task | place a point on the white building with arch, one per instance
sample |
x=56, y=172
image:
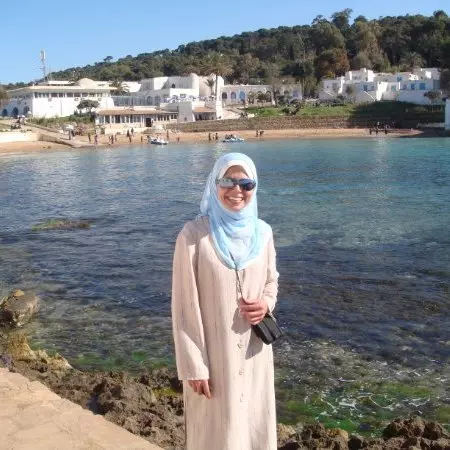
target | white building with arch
x=234, y=94
x=56, y=98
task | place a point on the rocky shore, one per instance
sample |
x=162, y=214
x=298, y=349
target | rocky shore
x=151, y=405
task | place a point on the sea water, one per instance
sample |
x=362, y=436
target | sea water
x=363, y=245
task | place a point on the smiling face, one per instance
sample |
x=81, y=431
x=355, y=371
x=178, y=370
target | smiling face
x=234, y=198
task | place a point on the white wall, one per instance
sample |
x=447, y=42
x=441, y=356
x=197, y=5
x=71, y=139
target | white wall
x=17, y=136
x=185, y=112
x=53, y=106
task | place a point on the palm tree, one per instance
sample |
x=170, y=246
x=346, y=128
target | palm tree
x=120, y=88
x=210, y=82
x=218, y=64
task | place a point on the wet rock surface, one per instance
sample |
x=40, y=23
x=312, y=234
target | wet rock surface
x=62, y=224
x=18, y=308
x=151, y=405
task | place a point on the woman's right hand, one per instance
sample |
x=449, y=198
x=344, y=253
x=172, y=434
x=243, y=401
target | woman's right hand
x=201, y=387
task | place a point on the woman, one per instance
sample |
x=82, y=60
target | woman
x=226, y=369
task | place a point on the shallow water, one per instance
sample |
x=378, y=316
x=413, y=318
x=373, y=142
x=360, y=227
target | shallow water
x=363, y=244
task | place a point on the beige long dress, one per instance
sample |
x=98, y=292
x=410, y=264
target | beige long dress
x=212, y=341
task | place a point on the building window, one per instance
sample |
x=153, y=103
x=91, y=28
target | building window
x=422, y=86
x=413, y=86
x=365, y=88
x=69, y=94
x=393, y=88
x=399, y=78
x=61, y=94
x=54, y=94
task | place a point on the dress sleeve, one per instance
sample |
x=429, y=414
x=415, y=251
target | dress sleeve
x=271, y=288
x=189, y=337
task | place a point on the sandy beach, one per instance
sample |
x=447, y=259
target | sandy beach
x=12, y=148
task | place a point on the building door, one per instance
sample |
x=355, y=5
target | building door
x=148, y=122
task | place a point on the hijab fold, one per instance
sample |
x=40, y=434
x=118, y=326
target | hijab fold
x=237, y=235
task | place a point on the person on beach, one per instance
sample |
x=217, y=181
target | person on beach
x=227, y=371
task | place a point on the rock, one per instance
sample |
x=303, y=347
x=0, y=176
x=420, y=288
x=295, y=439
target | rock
x=435, y=431
x=356, y=442
x=285, y=434
x=18, y=308
x=61, y=224
x=413, y=427
x=441, y=444
x=18, y=349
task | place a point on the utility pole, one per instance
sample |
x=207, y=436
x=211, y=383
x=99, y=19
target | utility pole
x=43, y=66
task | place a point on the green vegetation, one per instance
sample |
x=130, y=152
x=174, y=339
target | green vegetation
x=379, y=111
x=85, y=120
x=359, y=407
x=302, y=53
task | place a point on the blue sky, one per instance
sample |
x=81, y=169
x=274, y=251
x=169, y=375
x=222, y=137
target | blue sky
x=82, y=32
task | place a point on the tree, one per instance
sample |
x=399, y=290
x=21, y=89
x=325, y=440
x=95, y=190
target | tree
x=350, y=90
x=411, y=61
x=108, y=59
x=361, y=61
x=3, y=93
x=245, y=67
x=272, y=76
x=341, y=20
x=445, y=54
x=210, y=82
x=434, y=96
x=445, y=80
x=219, y=65
x=326, y=36
x=88, y=104
x=331, y=63
x=120, y=88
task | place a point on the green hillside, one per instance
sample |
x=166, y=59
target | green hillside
x=305, y=53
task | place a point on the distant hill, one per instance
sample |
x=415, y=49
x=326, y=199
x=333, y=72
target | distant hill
x=303, y=53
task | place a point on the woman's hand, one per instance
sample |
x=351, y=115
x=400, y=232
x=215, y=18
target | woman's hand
x=201, y=387
x=253, y=310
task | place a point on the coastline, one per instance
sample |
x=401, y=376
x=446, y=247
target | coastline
x=150, y=405
x=175, y=138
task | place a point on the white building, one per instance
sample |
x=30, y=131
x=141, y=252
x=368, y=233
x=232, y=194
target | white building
x=366, y=86
x=193, y=97
x=233, y=94
x=56, y=98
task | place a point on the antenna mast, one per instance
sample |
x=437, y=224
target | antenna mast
x=43, y=66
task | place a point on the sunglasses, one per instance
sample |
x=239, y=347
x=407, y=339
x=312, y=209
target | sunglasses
x=245, y=183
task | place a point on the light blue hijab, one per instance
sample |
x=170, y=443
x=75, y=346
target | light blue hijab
x=237, y=233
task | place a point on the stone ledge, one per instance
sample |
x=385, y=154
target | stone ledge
x=39, y=419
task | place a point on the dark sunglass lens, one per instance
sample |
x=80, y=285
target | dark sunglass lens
x=249, y=185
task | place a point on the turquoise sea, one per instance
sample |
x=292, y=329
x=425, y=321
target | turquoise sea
x=363, y=243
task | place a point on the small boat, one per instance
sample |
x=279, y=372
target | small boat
x=232, y=138
x=158, y=141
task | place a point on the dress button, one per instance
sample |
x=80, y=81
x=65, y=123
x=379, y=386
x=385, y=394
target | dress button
x=240, y=345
